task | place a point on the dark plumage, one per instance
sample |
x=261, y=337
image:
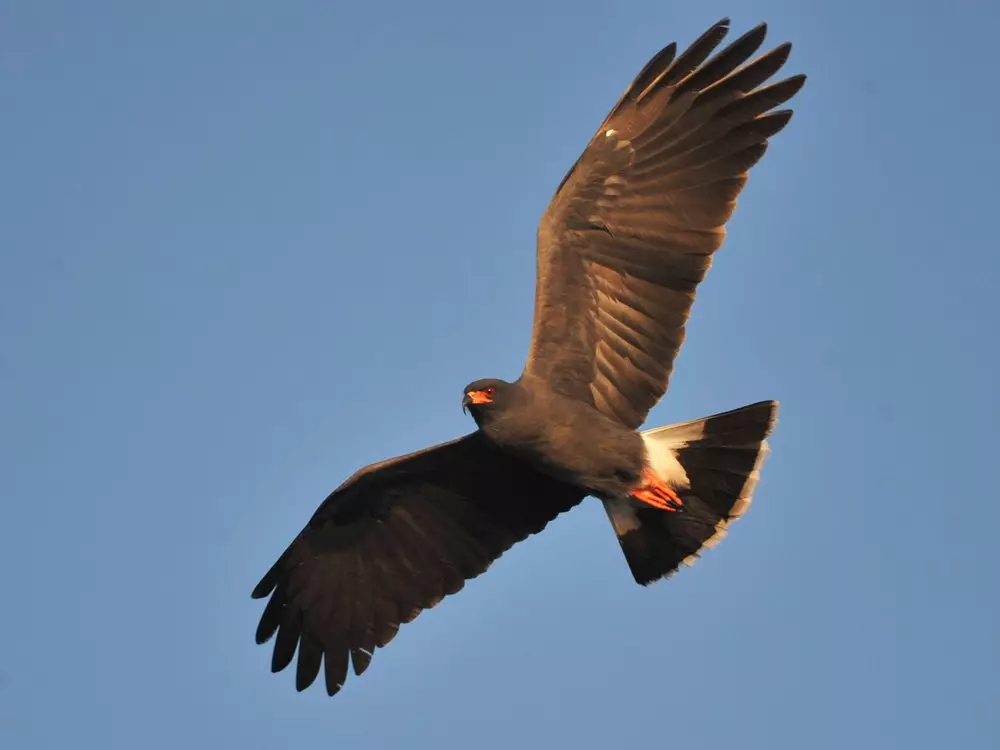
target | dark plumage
x=625, y=242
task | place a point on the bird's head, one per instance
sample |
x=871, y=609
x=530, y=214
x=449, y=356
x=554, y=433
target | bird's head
x=481, y=397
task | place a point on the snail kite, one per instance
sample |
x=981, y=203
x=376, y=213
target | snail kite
x=626, y=240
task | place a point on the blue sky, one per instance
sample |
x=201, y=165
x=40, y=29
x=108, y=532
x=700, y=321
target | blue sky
x=248, y=248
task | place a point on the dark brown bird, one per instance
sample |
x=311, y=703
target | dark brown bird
x=625, y=242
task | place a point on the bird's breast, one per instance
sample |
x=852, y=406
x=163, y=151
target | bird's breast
x=571, y=445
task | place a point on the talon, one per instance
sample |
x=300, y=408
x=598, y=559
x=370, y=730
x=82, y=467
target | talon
x=657, y=493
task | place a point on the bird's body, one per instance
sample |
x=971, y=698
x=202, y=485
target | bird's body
x=563, y=438
x=622, y=247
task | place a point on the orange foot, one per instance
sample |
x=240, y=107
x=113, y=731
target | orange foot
x=657, y=493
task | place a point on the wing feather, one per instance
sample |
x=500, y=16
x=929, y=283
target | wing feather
x=632, y=229
x=392, y=541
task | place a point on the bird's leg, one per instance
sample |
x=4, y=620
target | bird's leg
x=655, y=492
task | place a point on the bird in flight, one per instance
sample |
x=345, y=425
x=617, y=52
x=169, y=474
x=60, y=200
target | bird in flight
x=622, y=247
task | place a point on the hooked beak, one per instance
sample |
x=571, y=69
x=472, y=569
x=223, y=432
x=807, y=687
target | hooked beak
x=473, y=398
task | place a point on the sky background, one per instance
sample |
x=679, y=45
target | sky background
x=247, y=248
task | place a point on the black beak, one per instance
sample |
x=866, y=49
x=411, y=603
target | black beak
x=466, y=403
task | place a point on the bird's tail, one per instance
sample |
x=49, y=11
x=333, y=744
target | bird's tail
x=712, y=465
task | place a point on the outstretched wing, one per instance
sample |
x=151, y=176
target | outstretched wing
x=632, y=228
x=393, y=540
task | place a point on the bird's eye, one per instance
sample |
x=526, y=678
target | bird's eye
x=491, y=391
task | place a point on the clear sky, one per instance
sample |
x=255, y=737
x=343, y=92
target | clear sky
x=246, y=248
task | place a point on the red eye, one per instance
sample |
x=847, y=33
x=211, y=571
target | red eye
x=491, y=391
